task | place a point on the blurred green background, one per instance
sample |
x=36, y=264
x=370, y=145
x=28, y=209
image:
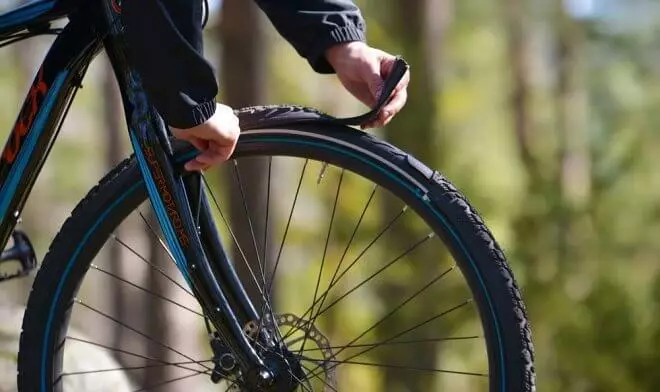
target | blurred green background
x=543, y=112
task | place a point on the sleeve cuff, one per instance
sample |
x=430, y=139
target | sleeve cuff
x=192, y=116
x=337, y=36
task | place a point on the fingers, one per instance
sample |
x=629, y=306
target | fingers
x=216, y=138
x=190, y=137
x=399, y=95
x=202, y=145
x=398, y=98
x=393, y=107
x=199, y=144
x=214, y=155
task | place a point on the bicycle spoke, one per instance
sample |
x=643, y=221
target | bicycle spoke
x=336, y=363
x=118, y=350
x=371, y=243
x=401, y=299
x=280, y=354
x=161, y=344
x=313, y=317
x=300, y=382
x=265, y=295
x=160, y=240
x=130, y=368
x=279, y=253
x=391, y=313
x=430, y=340
x=97, y=268
x=262, y=293
x=235, y=239
x=160, y=384
x=231, y=384
x=379, y=271
x=200, y=194
x=319, y=378
x=265, y=254
x=401, y=305
x=324, y=167
x=348, y=245
x=288, y=223
x=398, y=307
x=249, y=220
x=323, y=297
x=391, y=338
x=286, y=230
x=152, y=265
x=358, y=258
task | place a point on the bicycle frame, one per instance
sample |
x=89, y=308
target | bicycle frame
x=95, y=25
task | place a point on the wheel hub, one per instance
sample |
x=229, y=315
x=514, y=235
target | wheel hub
x=284, y=364
x=284, y=373
x=283, y=370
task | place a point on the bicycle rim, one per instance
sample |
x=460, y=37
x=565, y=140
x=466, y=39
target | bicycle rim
x=344, y=256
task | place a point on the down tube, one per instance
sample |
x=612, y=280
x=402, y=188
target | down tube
x=36, y=128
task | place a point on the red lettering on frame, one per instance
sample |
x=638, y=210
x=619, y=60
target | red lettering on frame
x=26, y=118
x=168, y=200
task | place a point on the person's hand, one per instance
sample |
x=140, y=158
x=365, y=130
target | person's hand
x=362, y=70
x=216, y=138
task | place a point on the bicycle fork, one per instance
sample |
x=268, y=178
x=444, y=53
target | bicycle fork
x=206, y=268
x=193, y=240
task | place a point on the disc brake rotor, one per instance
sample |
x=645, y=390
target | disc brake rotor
x=310, y=333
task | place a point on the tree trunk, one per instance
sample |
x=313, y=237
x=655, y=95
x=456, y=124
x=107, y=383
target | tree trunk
x=113, y=125
x=573, y=179
x=420, y=26
x=242, y=82
x=519, y=55
x=529, y=225
x=157, y=324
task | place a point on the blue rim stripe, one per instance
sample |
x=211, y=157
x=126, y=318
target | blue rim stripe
x=16, y=172
x=63, y=278
x=442, y=219
x=25, y=13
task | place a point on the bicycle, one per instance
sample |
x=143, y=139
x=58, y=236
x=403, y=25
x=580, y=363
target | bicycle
x=254, y=347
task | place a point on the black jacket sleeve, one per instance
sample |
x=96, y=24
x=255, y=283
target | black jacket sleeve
x=164, y=40
x=312, y=26
x=165, y=46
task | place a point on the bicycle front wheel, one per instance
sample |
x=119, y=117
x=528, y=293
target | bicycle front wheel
x=372, y=269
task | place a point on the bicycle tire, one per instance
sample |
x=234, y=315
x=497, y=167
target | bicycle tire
x=300, y=132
